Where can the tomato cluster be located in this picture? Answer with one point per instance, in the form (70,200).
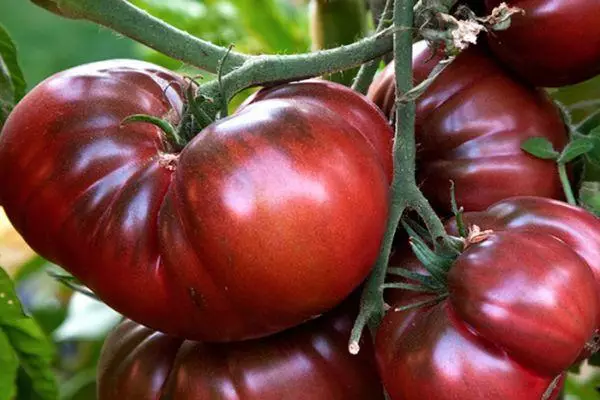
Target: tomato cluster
(232,255)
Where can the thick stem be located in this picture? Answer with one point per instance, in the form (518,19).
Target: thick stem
(367,71)
(372,305)
(566,183)
(404,191)
(125,18)
(263,70)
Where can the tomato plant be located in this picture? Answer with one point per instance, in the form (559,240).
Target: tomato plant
(262,221)
(307,362)
(522,306)
(470,124)
(552,43)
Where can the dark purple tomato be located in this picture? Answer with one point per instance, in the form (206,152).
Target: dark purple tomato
(310,361)
(522,306)
(264,220)
(554,43)
(470,125)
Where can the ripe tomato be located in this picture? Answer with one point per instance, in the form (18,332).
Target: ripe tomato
(264,220)
(306,362)
(554,43)
(470,125)
(522,305)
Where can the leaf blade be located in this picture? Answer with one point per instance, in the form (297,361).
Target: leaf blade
(9,365)
(576,148)
(8,53)
(26,339)
(540,147)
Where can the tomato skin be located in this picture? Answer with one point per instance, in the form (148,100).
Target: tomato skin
(522,304)
(511,289)
(264,220)
(429,354)
(307,362)
(555,43)
(361,114)
(576,227)
(470,124)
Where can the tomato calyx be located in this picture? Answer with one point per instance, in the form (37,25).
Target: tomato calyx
(180,129)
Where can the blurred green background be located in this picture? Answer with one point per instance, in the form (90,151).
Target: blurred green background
(48,44)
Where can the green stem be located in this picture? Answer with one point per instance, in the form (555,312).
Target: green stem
(404,190)
(263,70)
(367,71)
(564,179)
(131,21)
(372,307)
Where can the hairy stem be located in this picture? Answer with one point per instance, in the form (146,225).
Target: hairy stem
(566,184)
(367,71)
(262,70)
(372,307)
(131,21)
(405,193)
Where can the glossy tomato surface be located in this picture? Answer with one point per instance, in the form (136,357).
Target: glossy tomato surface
(307,362)
(470,125)
(522,306)
(264,220)
(356,110)
(554,43)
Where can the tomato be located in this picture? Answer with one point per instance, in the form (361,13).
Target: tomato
(470,124)
(522,306)
(264,220)
(554,43)
(307,362)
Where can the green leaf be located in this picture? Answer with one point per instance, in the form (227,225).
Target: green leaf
(10,306)
(589,196)
(9,365)
(576,148)
(35,354)
(12,82)
(541,148)
(27,341)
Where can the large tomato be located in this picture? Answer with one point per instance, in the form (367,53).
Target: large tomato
(470,125)
(553,43)
(264,220)
(522,306)
(307,362)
